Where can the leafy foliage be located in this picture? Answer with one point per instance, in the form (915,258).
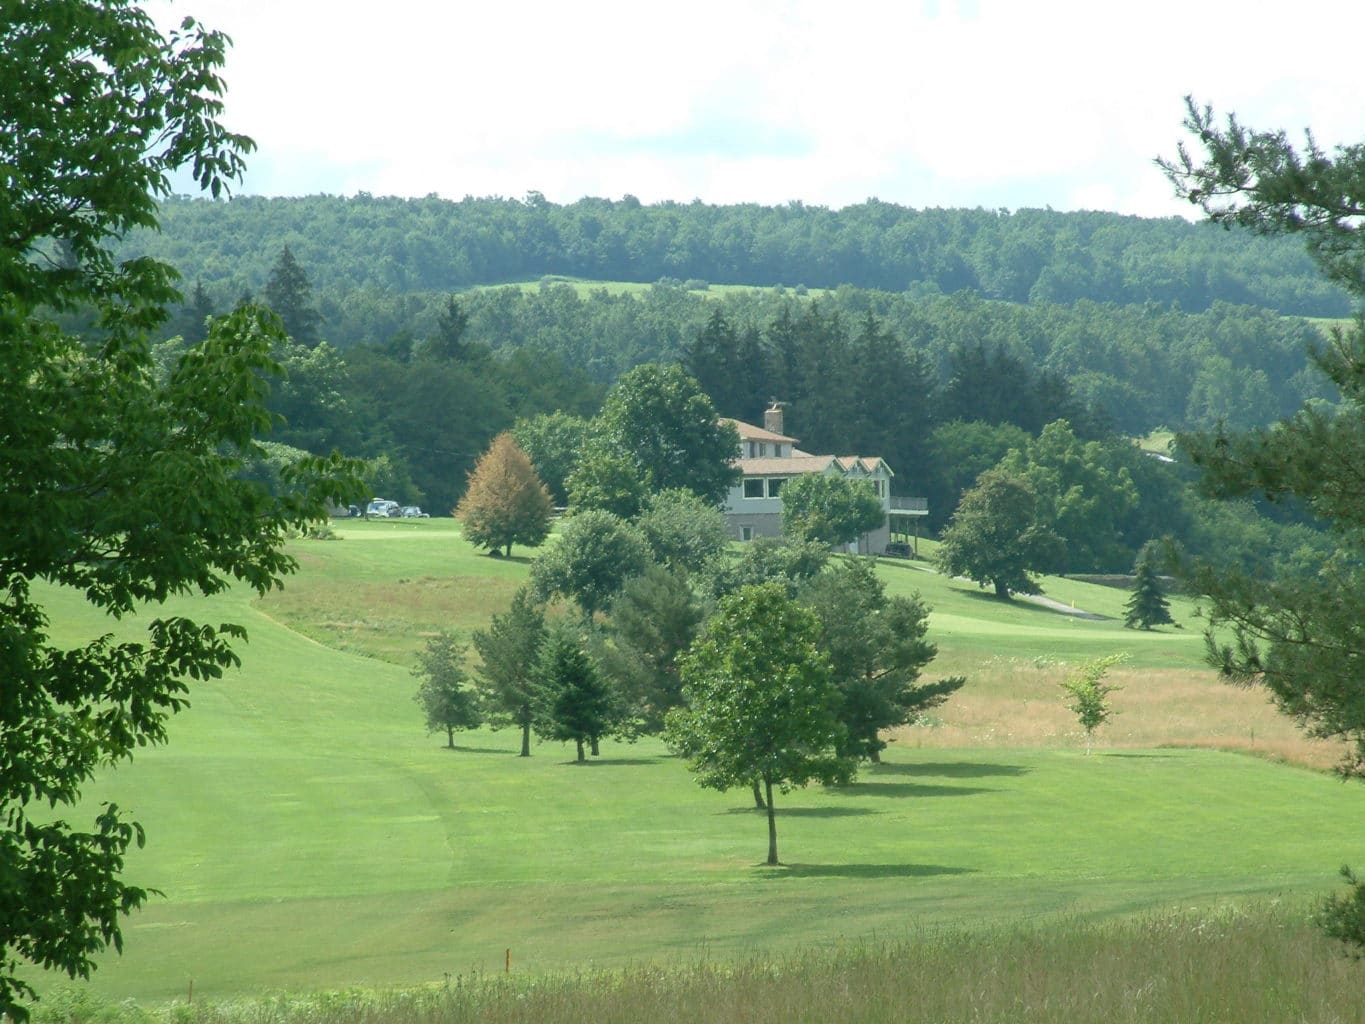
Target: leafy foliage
(596,554)
(761,704)
(505,502)
(1087,694)
(552,441)
(830,509)
(995,536)
(121,482)
(684,532)
(657,419)
(446,701)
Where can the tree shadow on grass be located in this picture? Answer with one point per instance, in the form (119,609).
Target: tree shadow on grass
(609,762)
(951,770)
(909,789)
(460,749)
(806,812)
(871,870)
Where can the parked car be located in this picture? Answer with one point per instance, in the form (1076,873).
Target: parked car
(414,512)
(381,507)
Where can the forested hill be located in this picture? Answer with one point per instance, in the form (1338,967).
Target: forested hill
(392,246)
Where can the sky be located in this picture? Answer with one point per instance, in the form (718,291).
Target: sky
(926,103)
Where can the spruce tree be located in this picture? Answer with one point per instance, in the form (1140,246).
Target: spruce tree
(1147,607)
(509,650)
(288,292)
(577,702)
(505,502)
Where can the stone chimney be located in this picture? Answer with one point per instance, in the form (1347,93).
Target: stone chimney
(772,418)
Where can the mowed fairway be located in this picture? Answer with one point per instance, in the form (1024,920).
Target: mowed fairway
(308,834)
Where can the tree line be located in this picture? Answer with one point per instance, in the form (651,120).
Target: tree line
(387,245)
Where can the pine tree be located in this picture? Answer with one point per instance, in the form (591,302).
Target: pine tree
(505,501)
(288,292)
(509,650)
(577,702)
(1147,607)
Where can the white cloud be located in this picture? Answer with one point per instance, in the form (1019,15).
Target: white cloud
(996,103)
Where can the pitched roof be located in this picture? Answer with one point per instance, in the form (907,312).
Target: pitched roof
(801,462)
(749,432)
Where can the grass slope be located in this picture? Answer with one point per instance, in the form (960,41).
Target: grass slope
(308,834)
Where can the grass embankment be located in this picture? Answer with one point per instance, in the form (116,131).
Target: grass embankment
(308,835)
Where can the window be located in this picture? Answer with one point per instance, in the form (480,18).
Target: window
(746,533)
(753,487)
(762,449)
(774,486)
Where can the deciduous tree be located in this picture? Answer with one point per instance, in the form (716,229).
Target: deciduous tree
(120,484)
(995,536)
(830,509)
(1087,695)
(662,423)
(446,701)
(595,555)
(761,705)
(505,502)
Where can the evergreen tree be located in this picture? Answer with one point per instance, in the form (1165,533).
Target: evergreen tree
(505,501)
(509,651)
(1147,606)
(654,620)
(289,294)
(444,696)
(877,647)
(576,701)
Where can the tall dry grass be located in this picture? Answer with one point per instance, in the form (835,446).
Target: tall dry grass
(1015,703)
(1265,966)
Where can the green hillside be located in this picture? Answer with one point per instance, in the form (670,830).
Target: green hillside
(307,834)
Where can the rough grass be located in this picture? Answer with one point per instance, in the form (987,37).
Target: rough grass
(1229,965)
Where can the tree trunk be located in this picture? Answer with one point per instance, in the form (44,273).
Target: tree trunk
(758,797)
(526,736)
(509,549)
(596,750)
(772,824)
(1002,591)
(450,737)
(580,750)
(874,755)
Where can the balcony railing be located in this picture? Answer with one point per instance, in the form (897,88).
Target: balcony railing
(910,506)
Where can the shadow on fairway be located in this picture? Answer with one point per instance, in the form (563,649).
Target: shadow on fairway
(951,770)
(806,812)
(905,789)
(458,749)
(872,870)
(608,762)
